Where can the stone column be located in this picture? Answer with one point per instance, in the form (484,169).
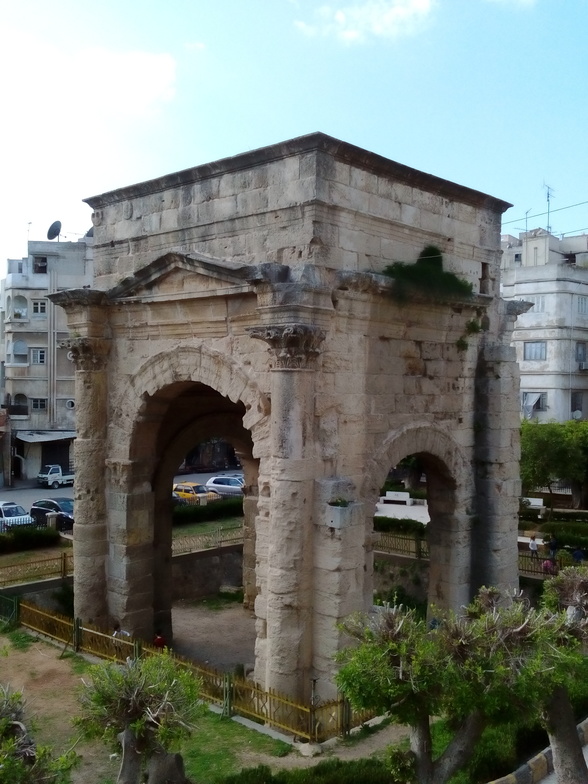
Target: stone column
(288,594)
(90,531)
(497,453)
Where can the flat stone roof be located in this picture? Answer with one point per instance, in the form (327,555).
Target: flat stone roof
(313,142)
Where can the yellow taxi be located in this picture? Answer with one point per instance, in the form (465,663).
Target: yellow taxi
(195,494)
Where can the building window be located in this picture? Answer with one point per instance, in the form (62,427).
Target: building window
(39,264)
(580,352)
(538,301)
(39,307)
(38,356)
(20,406)
(535,256)
(518,258)
(535,350)
(39,403)
(20,352)
(533,402)
(577,401)
(583,305)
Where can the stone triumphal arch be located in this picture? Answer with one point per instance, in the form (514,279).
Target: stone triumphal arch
(246,298)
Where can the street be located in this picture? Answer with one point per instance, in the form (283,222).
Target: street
(26,493)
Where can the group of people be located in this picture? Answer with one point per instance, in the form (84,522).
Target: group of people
(549,565)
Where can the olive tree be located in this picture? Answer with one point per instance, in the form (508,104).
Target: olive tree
(496,662)
(143,708)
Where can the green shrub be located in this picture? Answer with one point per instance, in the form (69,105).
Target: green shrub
(399,595)
(427,277)
(217,510)
(568,533)
(24,538)
(402,525)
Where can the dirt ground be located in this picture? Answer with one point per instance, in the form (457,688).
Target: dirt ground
(223,637)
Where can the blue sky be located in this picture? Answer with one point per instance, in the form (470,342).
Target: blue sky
(491,94)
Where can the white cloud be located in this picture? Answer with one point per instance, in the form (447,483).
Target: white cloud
(67,117)
(373,18)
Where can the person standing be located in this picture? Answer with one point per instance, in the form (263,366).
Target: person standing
(534,548)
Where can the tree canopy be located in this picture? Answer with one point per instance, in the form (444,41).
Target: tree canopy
(146,706)
(496,662)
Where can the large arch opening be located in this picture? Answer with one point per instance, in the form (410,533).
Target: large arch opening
(437,459)
(177,418)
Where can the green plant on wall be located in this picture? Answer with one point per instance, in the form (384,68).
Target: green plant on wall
(427,277)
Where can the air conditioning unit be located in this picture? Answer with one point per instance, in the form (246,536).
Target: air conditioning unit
(582,365)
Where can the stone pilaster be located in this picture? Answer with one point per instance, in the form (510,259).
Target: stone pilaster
(90,532)
(288,590)
(497,477)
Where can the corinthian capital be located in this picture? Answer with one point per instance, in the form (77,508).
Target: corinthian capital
(87,353)
(293,345)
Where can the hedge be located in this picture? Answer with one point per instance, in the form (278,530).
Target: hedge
(216,510)
(403,525)
(25,538)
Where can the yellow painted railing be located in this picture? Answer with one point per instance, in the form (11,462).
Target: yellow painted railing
(315,722)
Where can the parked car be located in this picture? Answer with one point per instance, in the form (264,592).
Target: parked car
(64,507)
(177,500)
(226,485)
(195,494)
(13,515)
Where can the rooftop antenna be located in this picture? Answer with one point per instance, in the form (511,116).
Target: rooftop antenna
(549,192)
(54,230)
(527,220)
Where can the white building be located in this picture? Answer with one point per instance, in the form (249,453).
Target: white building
(551,338)
(37,377)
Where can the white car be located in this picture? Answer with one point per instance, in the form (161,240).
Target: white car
(227,485)
(13,515)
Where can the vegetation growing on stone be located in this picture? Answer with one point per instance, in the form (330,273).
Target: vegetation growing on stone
(427,277)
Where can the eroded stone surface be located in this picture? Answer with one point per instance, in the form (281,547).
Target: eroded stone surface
(245,299)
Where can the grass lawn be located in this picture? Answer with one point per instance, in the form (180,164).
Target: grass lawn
(218,747)
(195,529)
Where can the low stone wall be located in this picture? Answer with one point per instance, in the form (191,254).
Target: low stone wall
(195,575)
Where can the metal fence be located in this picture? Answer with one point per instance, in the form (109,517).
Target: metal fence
(413,546)
(220,537)
(317,721)
(60,565)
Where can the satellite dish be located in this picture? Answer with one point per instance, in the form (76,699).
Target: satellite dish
(576,414)
(54,230)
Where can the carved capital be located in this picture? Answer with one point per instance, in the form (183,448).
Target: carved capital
(293,345)
(87,353)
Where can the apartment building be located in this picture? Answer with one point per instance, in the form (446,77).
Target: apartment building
(36,375)
(551,338)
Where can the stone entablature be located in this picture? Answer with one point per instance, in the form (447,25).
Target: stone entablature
(245,300)
(310,200)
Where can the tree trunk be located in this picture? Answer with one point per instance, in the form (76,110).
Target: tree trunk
(421,747)
(568,758)
(577,494)
(413,475)
(166,768)
(130,766)
(460,749)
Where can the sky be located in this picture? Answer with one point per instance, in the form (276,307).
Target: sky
(490,94)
